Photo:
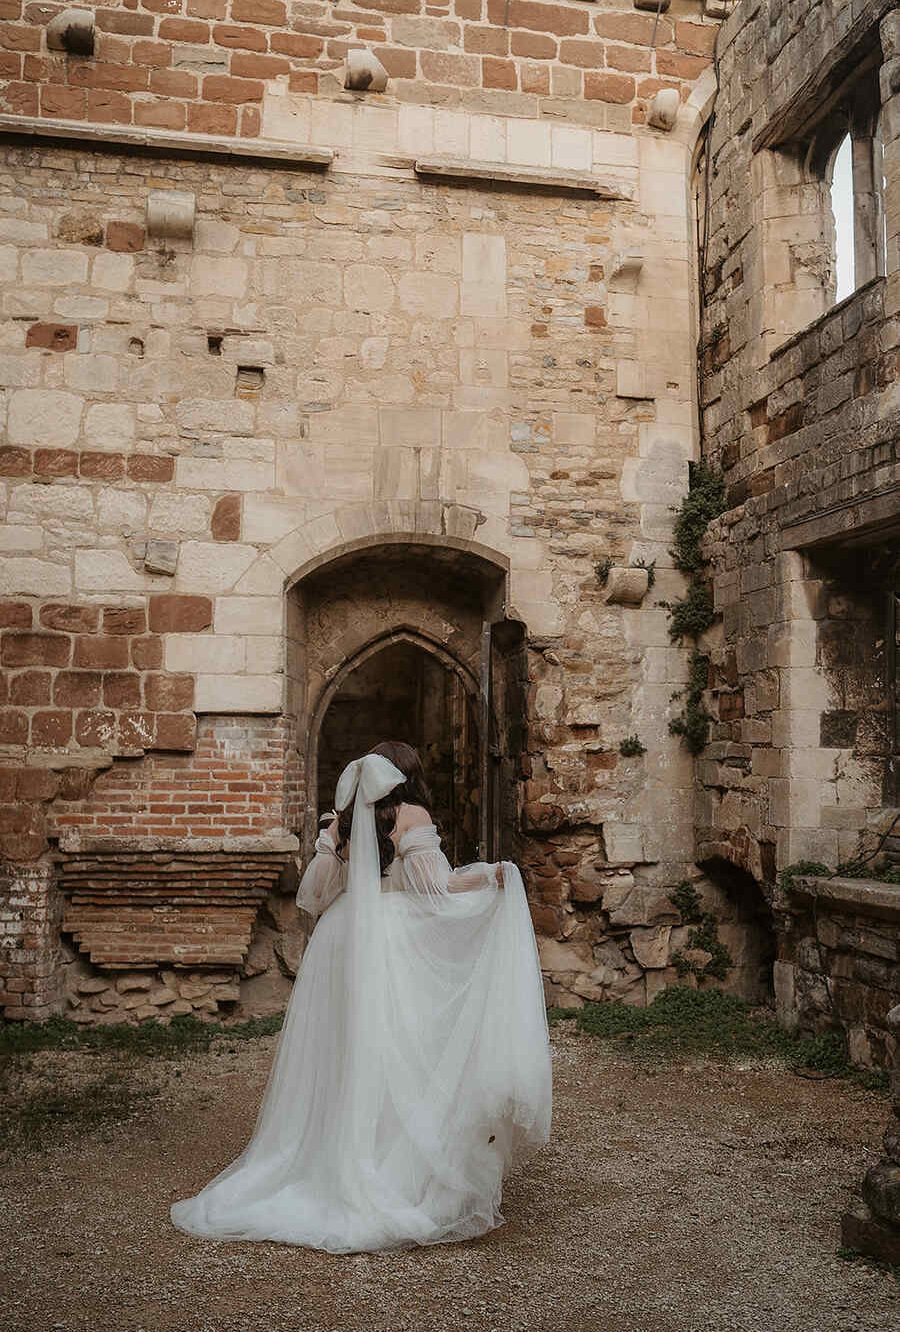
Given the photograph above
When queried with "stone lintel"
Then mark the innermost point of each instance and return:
(166, 141)
(507, 173)
(865, 897)
(73, 842)
(863, 521)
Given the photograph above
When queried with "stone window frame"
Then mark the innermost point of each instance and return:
(793, 163)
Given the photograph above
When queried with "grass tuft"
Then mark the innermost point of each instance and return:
(182, 1034)
(682, 1021)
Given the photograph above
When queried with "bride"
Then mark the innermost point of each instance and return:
(413, 1066)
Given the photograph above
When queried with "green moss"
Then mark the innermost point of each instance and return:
(631, 747)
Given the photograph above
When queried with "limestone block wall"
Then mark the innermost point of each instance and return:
(800, 412)
(338, 357)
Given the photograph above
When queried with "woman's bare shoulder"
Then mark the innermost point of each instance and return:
(410, 816)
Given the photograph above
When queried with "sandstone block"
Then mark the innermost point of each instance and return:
(124, 237)
(429, 294)
(92, 985)
(44, 416)
(128, 984)
(105, 570)
(239, 693)
(641, 904)
(248, 615)
(54, 268)
(173, 613)
(651, 945)
(232, 417)
(622, 842)
(217, 654)
(109, 425)
(112, 272)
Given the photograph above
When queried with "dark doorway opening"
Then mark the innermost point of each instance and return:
(403, 691)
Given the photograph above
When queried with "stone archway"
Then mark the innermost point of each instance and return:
(373, 630)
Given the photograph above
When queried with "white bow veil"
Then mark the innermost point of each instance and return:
(413, 1066)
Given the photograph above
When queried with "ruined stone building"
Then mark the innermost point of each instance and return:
(357, 362)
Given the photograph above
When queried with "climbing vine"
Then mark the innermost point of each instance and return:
(694, 613)
(692, 723)
(703, 938)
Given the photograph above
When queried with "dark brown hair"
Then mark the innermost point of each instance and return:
(414, 791)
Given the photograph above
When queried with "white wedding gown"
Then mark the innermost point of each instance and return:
(411, 1072)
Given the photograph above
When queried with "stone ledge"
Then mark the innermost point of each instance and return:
(873, 517)
(868, 897)
(204, 145)
(462, 168)
(74, 842)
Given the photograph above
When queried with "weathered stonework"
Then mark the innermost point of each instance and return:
(839, 948)
(354, 349)
(800, 412)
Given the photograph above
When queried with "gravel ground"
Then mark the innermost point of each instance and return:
(671, 1199)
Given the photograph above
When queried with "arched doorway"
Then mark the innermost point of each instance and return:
(404, 688)
(410, 640)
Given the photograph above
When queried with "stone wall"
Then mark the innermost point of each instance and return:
(800, 413)
(839, 962)
(348, 350)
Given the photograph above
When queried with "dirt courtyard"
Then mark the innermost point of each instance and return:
(678, 1197)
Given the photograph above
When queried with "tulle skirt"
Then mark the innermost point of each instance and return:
(456, 1087)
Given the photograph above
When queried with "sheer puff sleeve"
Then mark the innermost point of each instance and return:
(323, 879)
(428, 874)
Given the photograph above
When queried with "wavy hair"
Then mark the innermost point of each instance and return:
(413, 791)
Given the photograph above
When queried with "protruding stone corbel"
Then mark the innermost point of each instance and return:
(72, 31)
(626, 586)
(365, 72)
(625, 270)
(631, 380)
(664, 109)
(171, 214)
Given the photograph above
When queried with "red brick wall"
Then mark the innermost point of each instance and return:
(201, 65)
(78, 679)
(30, 916)
(232, 785)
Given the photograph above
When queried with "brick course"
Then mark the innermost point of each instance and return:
(251, 41)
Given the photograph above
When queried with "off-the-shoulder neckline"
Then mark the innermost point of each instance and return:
(419, 828)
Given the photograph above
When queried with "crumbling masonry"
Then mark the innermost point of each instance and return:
(355, 360)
